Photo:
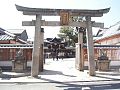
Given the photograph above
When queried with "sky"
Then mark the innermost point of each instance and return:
(10, 18)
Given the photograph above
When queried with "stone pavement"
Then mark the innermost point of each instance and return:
(61, 75)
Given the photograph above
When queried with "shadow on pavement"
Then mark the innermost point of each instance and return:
(85, 85)
(52, 72)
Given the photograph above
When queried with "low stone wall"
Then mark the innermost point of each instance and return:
(9, 63)
(112, 63)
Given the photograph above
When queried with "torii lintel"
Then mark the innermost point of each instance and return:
(57, 12)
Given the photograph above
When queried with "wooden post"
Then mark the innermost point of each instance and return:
(36, 52)
(90, 47)
(41, 49)
(80, 50)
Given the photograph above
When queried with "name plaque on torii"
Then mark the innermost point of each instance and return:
(64, 18)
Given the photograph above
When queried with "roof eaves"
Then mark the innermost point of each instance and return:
(99, 39)
(22, 41)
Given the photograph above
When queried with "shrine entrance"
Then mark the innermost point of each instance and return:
(65, 20)
(56, 48)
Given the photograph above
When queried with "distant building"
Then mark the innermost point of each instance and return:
(56, 46)
(10, 38)
(108, 36)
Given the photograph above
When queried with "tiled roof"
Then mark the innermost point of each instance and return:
(16, 31)
(5, 35)
(108, 32)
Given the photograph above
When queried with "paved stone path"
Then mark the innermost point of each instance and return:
(62, 75)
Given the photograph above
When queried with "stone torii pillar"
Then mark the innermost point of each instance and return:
(90, 46)
(36, 47)
(41, 50)
(80, 50)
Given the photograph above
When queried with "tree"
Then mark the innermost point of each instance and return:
(69, 35)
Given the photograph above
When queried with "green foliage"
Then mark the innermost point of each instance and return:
(69, 35)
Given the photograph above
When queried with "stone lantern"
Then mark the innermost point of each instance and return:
(103, 62)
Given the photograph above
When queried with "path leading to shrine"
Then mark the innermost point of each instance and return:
(62, 75)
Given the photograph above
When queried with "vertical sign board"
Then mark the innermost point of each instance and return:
(64, 18)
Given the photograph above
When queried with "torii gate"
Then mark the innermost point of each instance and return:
(65, 16)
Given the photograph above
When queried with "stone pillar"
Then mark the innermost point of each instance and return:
(41, 49)
(80, 50)
(76, 57)
(36, 51)
(90, 47)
